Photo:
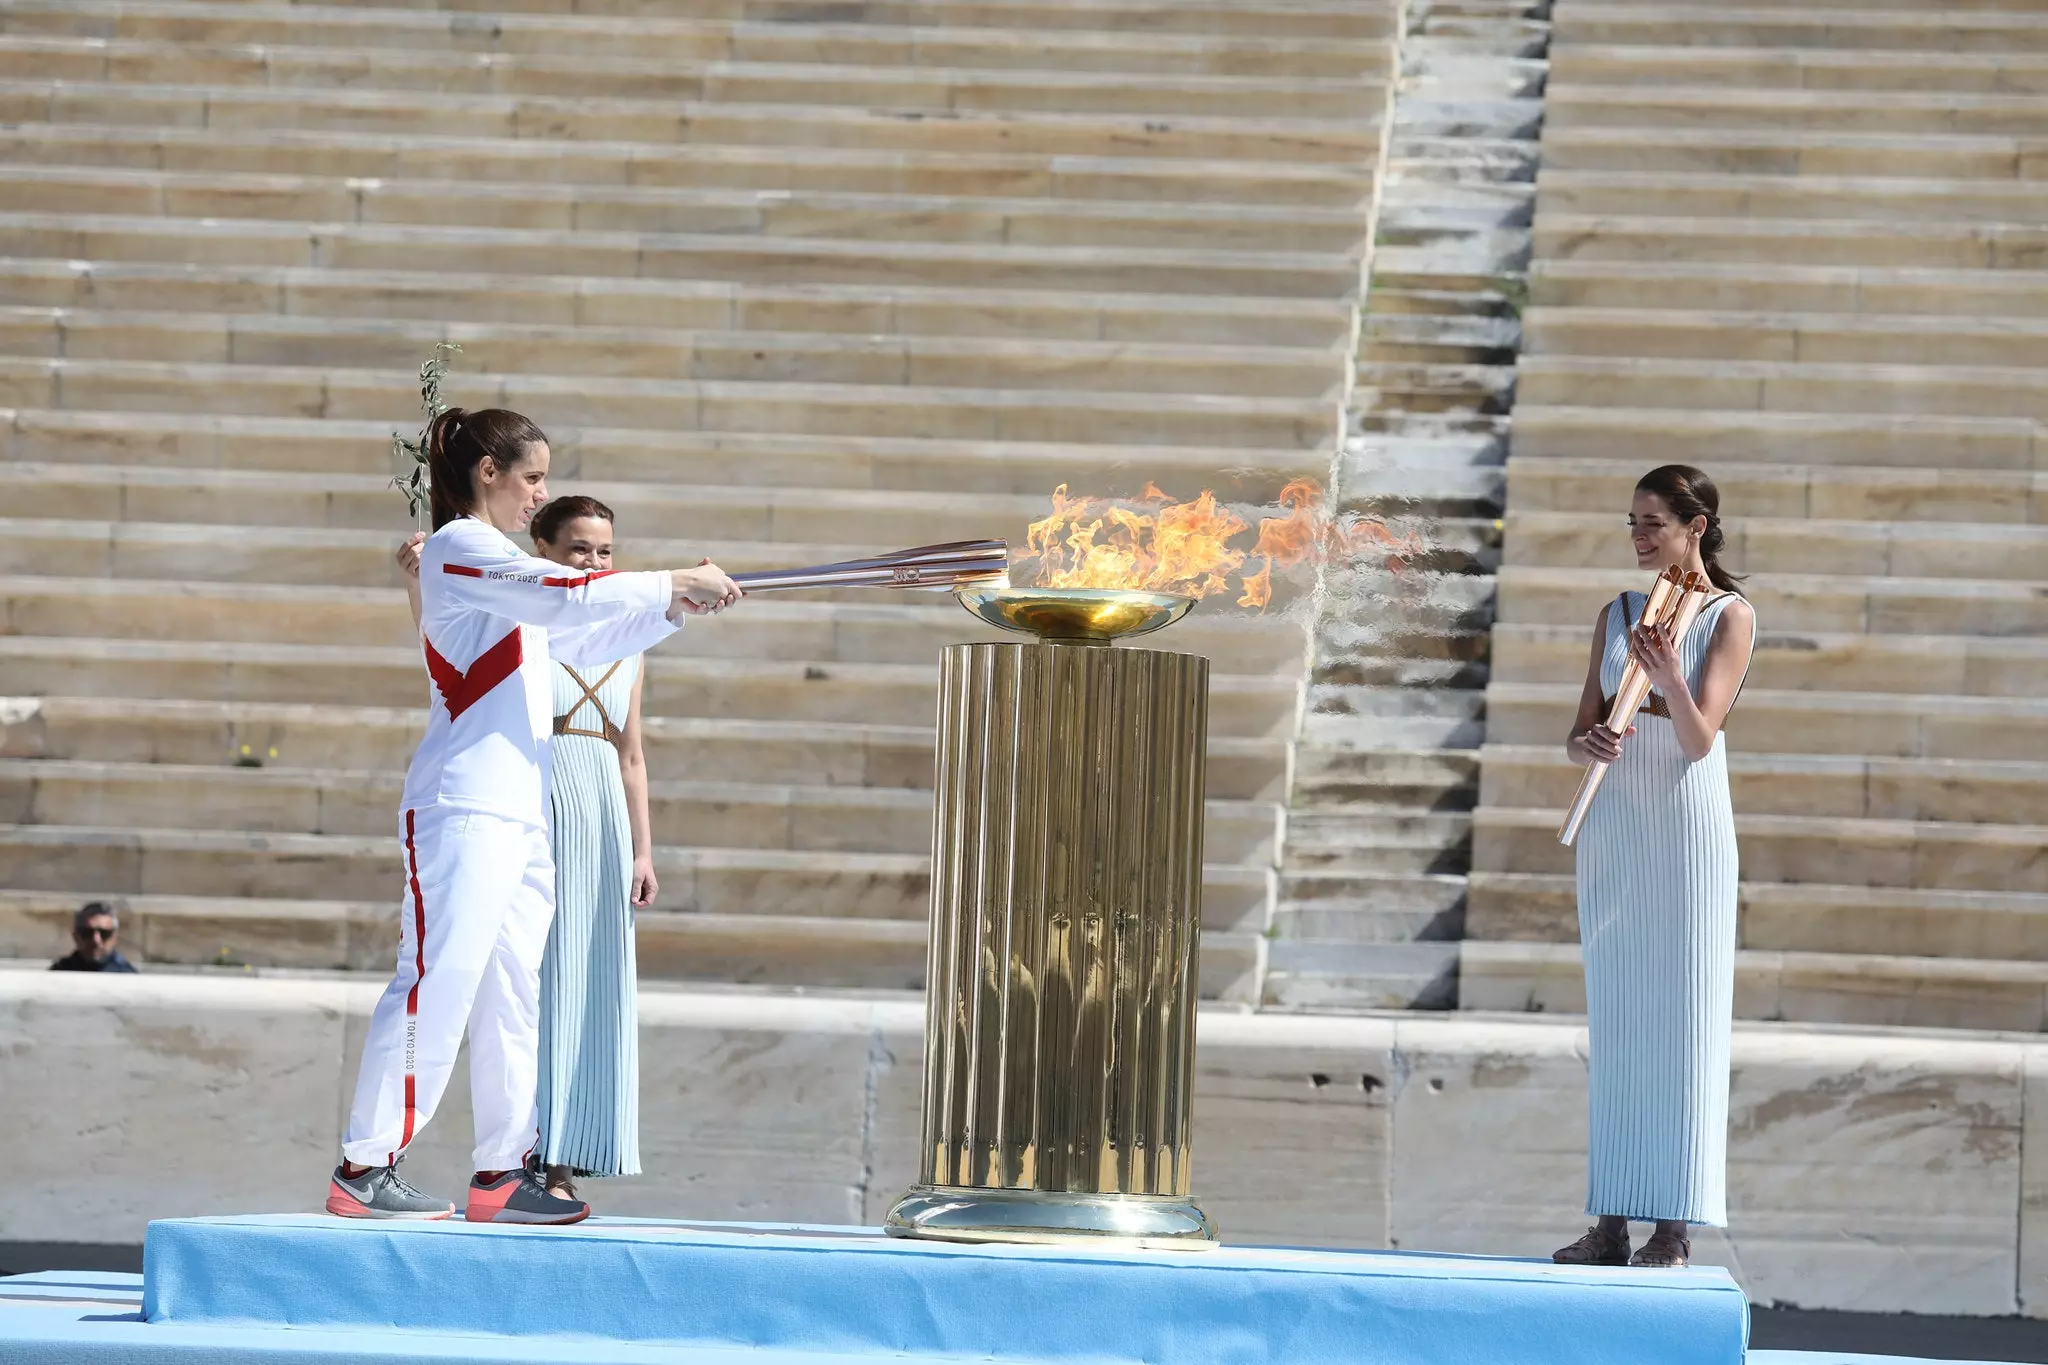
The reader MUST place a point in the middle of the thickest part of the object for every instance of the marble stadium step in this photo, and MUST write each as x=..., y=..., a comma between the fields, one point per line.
x=1400, y=841
x=1756, y=287
x=1809, y=661
x=679, y=683
x=1767, y=151
x=786, y=950
x=728, y=28
x=825, y=632
x=791, y=753
x=1045, y=133
x=706, y=257
x=1858, y=989
x=1793, y=338
x=961, y=413
x=430, y=155
x=313, y=67
x=1910, y=111
x=1783, y=917
x=1780, y=386
x=357, y=453
x=1807, y=68
x=1904, y=725
x=1836, y=851
x=1878, y=26
x=1827, y=493
x=1545, y=431
x=385, y=297
x=1699, y=194
x=1780, y=241
x=2000, y=791
x=1832, y=603
x=1776, y=546
x=517, y=349
x=355, y=801
x=839, y=215
x=84, y=862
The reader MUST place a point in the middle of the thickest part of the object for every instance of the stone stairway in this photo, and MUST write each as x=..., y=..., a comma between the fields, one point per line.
x=1800, y=245
x=782, y=281
x=1373, y=888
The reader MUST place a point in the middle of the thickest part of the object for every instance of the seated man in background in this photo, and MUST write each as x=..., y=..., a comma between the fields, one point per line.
x=96, y=942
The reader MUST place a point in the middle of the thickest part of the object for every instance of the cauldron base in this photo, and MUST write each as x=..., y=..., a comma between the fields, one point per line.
x=961, y=1213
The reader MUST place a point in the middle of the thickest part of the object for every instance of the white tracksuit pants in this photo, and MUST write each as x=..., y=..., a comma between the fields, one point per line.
x=479, y=897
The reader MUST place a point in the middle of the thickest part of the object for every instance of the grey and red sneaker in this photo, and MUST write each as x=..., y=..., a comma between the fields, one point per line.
x=520, y=1197
x=381, y=1192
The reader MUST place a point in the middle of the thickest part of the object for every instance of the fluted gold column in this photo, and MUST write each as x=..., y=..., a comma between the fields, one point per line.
x=1066, y=905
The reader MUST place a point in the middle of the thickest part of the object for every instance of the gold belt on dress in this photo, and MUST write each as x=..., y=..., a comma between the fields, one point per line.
x=611, y=733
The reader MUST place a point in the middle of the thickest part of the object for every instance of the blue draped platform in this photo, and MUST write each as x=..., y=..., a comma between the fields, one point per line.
x=313, y=1288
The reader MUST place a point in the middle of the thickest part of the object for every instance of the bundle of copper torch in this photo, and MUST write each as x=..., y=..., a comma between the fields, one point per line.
x=962, y=562
x=1675, y=601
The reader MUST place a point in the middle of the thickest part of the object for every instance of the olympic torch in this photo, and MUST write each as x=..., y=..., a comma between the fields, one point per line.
x=1675, y=601
x=964, y=563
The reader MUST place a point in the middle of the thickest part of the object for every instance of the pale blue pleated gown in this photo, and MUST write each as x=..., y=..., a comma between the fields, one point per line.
x=589, y=1023
x=1657, y=895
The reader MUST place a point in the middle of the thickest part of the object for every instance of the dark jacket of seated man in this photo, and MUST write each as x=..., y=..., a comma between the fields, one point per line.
x=95, y=938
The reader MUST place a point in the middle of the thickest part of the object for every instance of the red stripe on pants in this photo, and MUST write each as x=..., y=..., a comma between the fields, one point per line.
x=412, y=997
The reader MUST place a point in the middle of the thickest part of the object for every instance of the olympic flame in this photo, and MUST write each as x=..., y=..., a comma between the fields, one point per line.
x=1153, y=543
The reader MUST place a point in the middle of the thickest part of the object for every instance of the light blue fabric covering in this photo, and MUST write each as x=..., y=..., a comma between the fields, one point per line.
x=589, y=1101
x=854, y=1292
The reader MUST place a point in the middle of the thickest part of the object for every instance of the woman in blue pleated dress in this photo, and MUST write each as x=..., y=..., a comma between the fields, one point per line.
x=604, y=870
x=1657, y=873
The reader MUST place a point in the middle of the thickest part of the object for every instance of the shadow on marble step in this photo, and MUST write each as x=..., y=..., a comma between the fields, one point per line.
x=144, y=61
x=89, y=862
x=1329, y=141
x=355, y=801
x=344, y=153
x=1815, y=849
x=1786, y=917
x=1766, y=152
x=1787, y=602
x=716, y=690
x=1425, y=779
x=1946, y=666
x=1816, y=988
x=779, y=750
x=191, y=443
x=1844, y=785
x=1875, y=724
x=1788, y=241
x=1688, y=195
x=1933, y=496
x=168, y=932
x=282, y=293
x=1789, y=69
x=1914, y=112
x=887, y=216
x=1549, y=431
x=1684, y=286
x=1348, y=841
x=1338, y=977
x=1786, y=546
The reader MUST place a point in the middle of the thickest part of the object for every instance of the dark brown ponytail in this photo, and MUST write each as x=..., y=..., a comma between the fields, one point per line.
x=458, y=441
x=1690, y=494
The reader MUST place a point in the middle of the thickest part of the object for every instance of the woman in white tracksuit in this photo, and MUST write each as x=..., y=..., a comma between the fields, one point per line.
x=479, y=880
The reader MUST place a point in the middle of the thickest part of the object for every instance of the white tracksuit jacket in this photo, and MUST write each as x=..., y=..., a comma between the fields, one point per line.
x=479, y=889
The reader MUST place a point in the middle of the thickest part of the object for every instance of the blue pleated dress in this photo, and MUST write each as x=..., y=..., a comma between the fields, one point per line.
x=1657, y=874
x=589, y=1023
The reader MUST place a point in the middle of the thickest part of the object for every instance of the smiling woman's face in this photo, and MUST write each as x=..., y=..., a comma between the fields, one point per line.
x=1660, y=538
x=582, y=543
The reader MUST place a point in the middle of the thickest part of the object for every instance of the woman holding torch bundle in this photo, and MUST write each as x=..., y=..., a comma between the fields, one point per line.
x=1657, y=892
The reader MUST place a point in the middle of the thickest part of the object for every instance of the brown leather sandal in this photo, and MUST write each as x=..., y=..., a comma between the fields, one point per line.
x=1597, y=1247
x=1664, y=1251
x=560, y=1181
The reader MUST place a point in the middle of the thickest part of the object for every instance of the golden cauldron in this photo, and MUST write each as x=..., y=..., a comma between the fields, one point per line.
x=1066, y=917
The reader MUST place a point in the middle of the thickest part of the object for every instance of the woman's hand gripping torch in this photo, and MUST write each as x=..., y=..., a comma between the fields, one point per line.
x=1675, y=600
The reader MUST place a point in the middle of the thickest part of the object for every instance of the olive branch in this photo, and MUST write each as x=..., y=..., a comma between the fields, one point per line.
x=415, y=482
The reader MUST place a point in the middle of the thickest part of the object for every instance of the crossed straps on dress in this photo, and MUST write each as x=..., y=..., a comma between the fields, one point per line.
x=1653, y=703
x=610, y=733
